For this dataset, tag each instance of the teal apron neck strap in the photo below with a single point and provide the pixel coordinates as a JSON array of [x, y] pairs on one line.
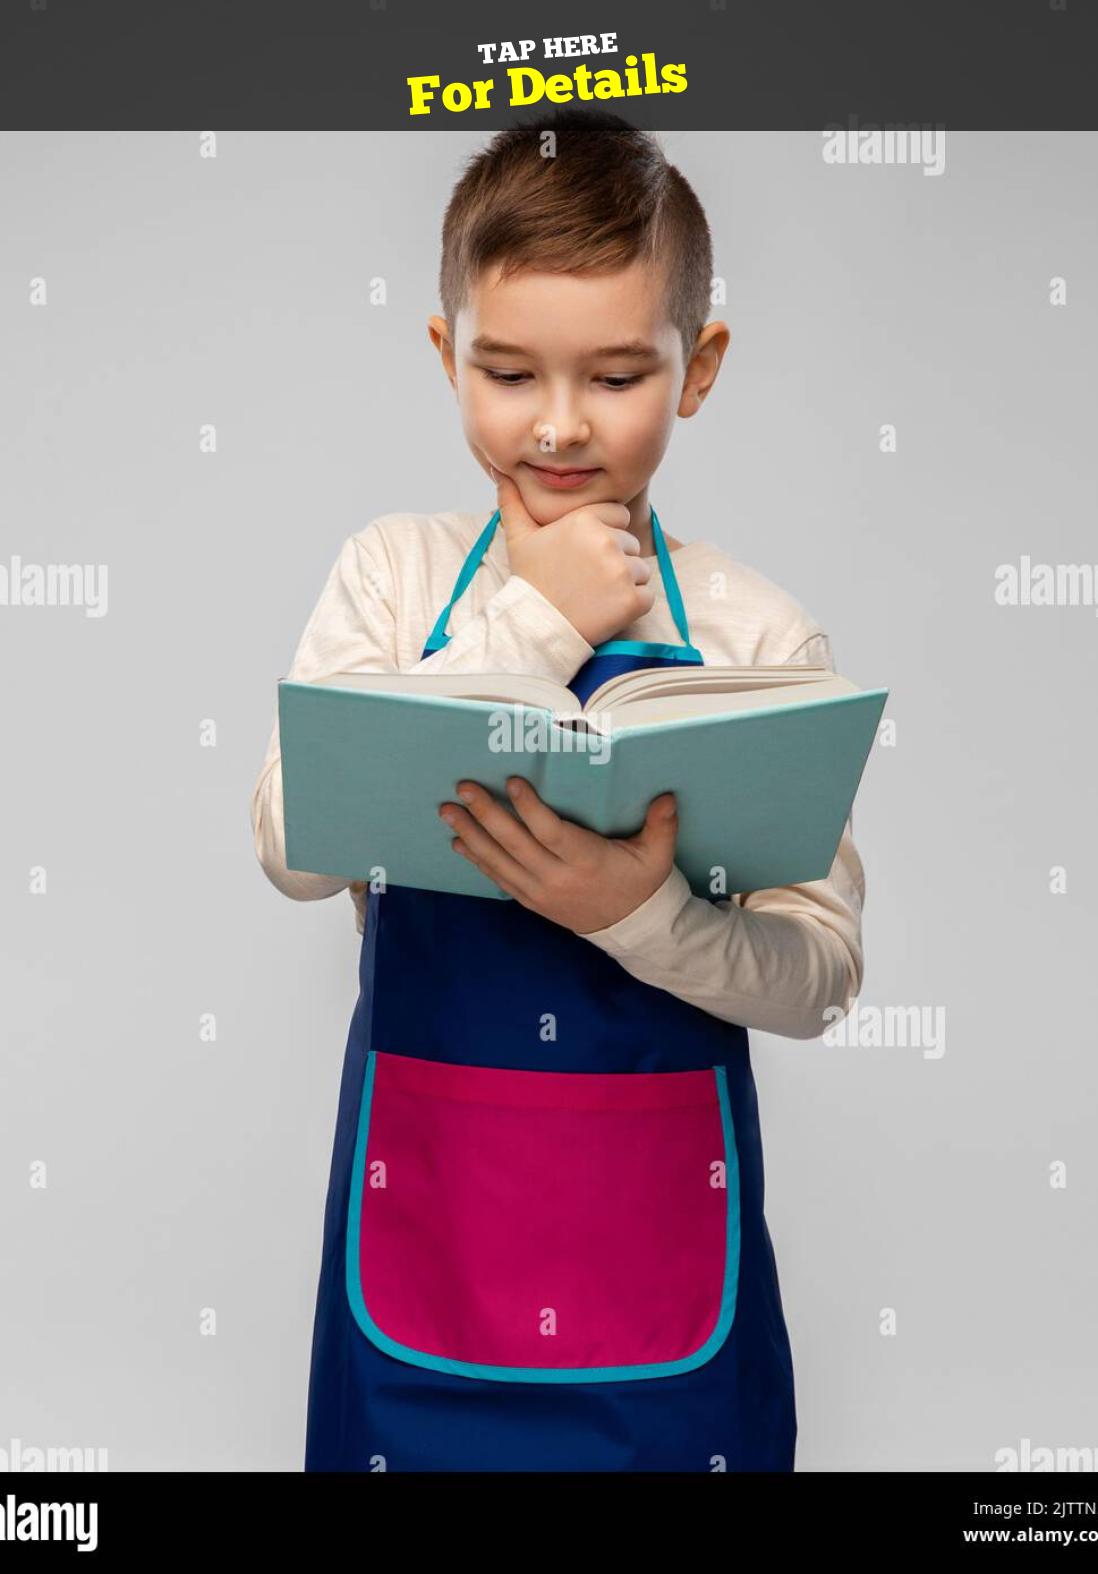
[[439, 637], [670, 583]]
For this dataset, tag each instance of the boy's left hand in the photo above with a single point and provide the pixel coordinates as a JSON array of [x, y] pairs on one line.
[[570, 875]]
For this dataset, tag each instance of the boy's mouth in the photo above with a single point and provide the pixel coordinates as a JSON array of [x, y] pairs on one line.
[[564, 478]]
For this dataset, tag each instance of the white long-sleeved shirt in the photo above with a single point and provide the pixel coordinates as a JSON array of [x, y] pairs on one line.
[[774, 960]]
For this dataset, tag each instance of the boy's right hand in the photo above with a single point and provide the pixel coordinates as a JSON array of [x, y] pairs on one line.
[[587, 563]]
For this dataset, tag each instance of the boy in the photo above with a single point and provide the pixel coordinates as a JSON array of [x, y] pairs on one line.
[[544, 1242]]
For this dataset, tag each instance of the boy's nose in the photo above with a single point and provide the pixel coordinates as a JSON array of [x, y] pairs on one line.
[[562, 428]]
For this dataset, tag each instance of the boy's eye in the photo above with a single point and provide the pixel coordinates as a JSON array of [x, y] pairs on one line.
[[513, 379]]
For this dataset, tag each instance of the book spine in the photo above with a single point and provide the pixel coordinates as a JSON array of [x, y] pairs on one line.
[[578, 778]]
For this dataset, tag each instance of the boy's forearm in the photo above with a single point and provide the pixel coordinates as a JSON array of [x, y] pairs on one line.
[[777, 963]]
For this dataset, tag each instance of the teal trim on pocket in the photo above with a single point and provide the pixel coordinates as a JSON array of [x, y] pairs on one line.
[[536, 1374]]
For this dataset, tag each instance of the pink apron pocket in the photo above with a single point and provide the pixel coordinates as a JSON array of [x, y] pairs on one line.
[[543, 1226]]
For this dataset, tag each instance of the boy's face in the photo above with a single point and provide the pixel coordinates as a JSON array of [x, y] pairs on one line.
[[559, 372]]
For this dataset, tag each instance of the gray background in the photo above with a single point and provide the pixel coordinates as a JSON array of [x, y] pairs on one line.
[[184, 1175]]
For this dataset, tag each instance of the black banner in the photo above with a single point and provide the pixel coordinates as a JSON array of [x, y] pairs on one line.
[[124, 1519], [429, 65]]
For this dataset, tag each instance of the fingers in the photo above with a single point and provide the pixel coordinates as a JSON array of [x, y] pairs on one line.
[[642, 571], [492, 867], [629, 544], [481, 849], [614, 514], [646, 599], [496, 838], [547, 826]]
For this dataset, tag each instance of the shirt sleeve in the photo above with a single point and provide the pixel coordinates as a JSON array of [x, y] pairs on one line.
[[353, 628], [787, 960]]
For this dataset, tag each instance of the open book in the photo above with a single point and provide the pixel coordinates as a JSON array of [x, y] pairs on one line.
[[764, 762], [651, 694]]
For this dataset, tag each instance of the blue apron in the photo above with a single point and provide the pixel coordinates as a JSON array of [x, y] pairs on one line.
[[544, 1243]]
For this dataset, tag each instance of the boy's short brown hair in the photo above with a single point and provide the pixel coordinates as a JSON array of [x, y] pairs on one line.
[[606, 197]]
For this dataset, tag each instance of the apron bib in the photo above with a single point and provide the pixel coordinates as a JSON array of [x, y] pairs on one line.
[[544, 1243]]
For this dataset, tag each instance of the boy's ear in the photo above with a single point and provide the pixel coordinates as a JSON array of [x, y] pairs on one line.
[[705, 363], [438, 332]]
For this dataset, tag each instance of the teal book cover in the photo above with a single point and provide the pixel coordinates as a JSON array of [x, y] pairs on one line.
[[763, 794]]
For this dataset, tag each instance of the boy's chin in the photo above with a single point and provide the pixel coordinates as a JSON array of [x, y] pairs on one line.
[[545, 507], [548, 514]]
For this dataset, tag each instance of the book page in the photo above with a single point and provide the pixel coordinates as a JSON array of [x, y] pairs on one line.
[[651, 681], [501, 688], [649, 711]]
